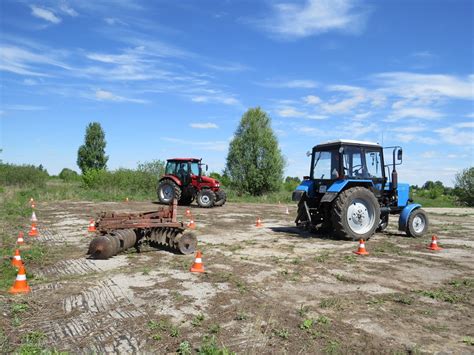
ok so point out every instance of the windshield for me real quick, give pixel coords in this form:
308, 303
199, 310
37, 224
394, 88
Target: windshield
325, 165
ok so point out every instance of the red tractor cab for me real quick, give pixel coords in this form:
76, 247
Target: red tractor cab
184, 181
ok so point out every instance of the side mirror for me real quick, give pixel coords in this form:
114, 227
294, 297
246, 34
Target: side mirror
308, 153
400, 154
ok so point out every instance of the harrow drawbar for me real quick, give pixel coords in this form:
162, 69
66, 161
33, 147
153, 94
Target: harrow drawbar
121, 231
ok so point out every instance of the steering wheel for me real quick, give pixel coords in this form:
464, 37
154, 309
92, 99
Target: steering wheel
357, 171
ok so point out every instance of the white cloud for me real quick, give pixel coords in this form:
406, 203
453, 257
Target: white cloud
408, 137
30, 82
68, 10
465, 125
220, 98
103, 95
312, 100
456, 136
290, 84
314, 17
470, 115
409, 129
292, 112
363, 115
24, 108
44, 14
207, 125
112, 21
429, 154
428, 87
19, 61
413, 112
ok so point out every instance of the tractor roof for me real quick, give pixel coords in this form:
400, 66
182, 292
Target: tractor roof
349, 142
184, 159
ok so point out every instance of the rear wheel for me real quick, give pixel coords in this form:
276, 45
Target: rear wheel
221, 198
167, 190
355, 214
417, 223
206, 198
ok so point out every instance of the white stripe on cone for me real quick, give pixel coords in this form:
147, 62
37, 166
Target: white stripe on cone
17, 257
21, 277
198, 261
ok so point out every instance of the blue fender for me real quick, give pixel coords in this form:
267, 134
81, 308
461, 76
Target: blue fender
403, 219
339, 185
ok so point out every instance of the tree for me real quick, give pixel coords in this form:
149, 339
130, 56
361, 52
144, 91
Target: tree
464, 186
91, 155
254, 162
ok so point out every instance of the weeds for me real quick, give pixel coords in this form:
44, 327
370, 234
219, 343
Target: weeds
303, 311
281, 333
441, 295
333, 302
307, 324
332, 347
241, 316
174, 331
322, 258
197, 320
184, 348
468, 340
209, 347
214, 328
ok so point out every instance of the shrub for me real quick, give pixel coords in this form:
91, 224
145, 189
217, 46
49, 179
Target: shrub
22, 175
69, 175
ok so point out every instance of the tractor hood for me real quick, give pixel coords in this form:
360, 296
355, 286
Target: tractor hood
208, 180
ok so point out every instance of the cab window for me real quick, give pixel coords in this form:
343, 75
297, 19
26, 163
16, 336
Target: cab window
353, 165
195, 168
373, 161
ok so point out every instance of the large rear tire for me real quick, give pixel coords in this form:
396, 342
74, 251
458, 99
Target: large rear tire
221, 198
417, 224
206, 198
167, 190
355, 214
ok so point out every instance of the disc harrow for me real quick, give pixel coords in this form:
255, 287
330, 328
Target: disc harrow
121, 231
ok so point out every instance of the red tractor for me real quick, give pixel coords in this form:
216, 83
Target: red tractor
184, 181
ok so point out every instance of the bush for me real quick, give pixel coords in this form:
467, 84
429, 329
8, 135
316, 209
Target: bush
69, 175
464, 187
23, 175
121, 181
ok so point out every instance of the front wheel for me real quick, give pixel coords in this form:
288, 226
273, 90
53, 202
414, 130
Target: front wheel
355, 214
206, 198
417, 224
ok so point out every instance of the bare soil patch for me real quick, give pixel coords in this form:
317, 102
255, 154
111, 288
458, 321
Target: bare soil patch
273, 289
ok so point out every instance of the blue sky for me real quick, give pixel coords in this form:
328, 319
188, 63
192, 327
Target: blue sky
173, 78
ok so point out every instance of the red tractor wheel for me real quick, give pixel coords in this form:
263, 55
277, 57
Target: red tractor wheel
221, 198
167, 191
206, 198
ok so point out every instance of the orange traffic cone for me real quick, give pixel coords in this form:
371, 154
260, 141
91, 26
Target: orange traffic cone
258, 223
20, 239
33, 230
20, 285
197, 265
33, 205
188, 213
16, 261
33, 217
191, 224
91, 226
434, 244
361, 250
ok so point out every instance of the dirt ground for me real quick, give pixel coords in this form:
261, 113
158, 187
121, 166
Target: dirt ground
273, 289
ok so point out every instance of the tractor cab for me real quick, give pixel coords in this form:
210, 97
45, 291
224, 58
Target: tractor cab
185, 169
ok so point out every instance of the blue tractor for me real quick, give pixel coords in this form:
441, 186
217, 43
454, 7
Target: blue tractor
348, 192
